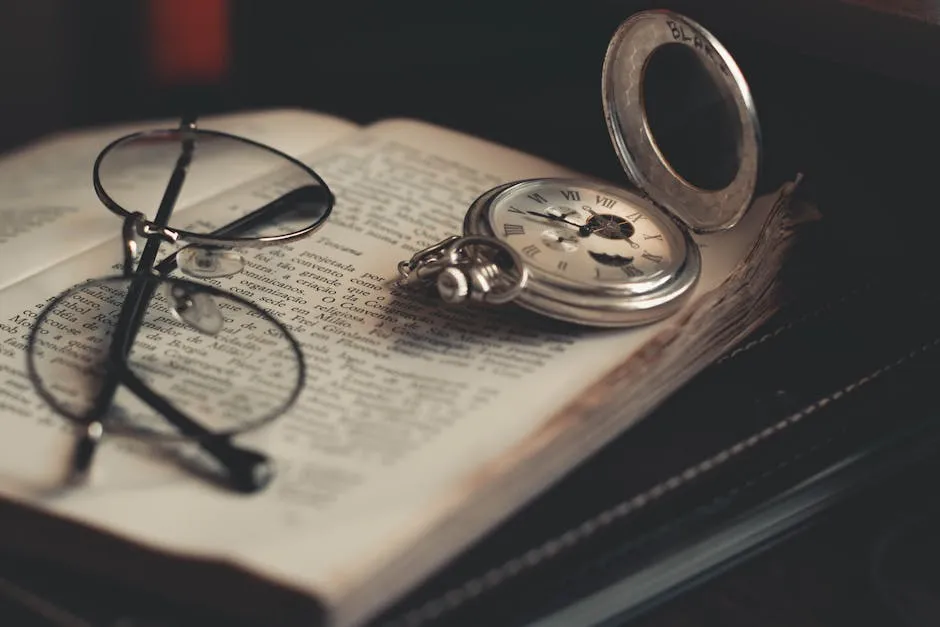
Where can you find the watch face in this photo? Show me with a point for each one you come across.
(591, 236)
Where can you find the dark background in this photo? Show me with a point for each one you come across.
(847, 91)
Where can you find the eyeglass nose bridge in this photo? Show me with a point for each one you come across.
(188, 123)
(137, 225)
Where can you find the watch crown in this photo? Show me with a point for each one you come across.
(452, 285)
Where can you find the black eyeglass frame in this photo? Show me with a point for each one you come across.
(247, 470)
(210, 239)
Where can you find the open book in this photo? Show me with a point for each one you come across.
(420, 426)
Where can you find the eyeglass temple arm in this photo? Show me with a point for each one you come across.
(170, 196)
(270, 211)
(140, 292)
(248, 471)
(138, 295)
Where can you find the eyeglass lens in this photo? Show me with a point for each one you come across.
(227, 179)
(215, 357)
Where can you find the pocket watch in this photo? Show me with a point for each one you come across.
(683, 124)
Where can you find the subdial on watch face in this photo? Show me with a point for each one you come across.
(597, 236)
(558, 239)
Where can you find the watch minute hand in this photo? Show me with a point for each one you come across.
(557, 219)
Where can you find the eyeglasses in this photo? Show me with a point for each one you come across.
(147, 355)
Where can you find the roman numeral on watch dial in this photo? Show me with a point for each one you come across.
(631, 271)
(605, 201)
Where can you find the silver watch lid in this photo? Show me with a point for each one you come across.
(682, 119)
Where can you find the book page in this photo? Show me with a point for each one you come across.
(48, 207)
(410, 408)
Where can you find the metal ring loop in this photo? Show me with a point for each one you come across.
(457, 250)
